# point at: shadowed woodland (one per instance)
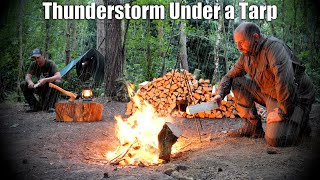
(141, 50)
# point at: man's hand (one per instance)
(273, 116)
(30, 85)
(28, 79)
(217, 98)
(41, 82)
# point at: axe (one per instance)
(201, 107)
(70, 94)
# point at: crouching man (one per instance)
(39, 95)
(268, 73)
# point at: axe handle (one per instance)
(70, 94)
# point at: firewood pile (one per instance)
(174, 91)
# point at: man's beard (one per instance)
(246, 53)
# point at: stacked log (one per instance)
(174, 91)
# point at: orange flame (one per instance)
(138, 134)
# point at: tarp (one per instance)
(89, 66)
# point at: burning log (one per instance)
(167, 137)
(116, 160)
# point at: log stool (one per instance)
(78, 111)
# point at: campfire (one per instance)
(140, 138)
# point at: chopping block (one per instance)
(78, 111)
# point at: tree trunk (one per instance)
(283, 22)
(226, 43)
(114, 53)
(21, 14)
(216, 73)
(148, 53)
(101, 33)
(149, 62)
(183, 47)
(294, 26)
(74, 26)
(162, 52)
(47, 38)
(74, 35)
(67, 50)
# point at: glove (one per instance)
(274, 116)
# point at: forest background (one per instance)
(140, 50)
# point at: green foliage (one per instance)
(146, 49)
(144, 46)
(312, 69)
(33, 36)
(9, 58)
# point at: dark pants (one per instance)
(40, 98)
(284, 133)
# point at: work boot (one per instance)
(51, 110)
(32, 108)
(251, 128)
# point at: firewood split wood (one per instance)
(174, 91)
(117, 158)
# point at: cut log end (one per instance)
(78, 111)
(167, 137)
(171, 94)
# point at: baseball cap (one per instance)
(36, 53)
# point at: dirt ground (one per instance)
(35, 146)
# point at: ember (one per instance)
(138, 135)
